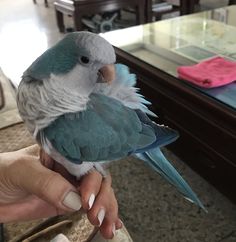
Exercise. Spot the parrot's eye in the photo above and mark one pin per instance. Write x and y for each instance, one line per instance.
(84, 60)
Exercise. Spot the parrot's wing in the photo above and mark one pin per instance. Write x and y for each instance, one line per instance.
(164, 134)
(107, 130)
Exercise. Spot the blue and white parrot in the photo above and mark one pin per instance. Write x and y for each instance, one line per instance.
(85, 111)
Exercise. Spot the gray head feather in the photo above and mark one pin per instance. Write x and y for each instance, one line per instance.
(66, 54)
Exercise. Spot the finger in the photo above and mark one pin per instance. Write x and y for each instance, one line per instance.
(108, 229)
(46, 160)
(108, 226)
(62, 170)
(104, 212)
(29, 175)
(102, 203)
(7, 158)
(30, 150)
(119, 224)
(89, 188)
(28, 209)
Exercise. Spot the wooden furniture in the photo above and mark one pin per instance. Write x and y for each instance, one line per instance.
(77, 9)
(206, 119)
(1, 233)
(231, 2)
(186, 7)
(45, 2)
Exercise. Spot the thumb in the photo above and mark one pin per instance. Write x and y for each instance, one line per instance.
(31, 176)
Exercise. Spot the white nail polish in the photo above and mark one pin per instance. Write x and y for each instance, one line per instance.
(72, 200)
(91, 200)
(101, 215)
(60, 238)
(114, 229)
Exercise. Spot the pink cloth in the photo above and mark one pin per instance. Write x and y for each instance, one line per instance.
(214, 72)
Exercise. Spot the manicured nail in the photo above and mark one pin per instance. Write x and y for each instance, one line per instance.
(101, 215)
(91, 200)
(114, 229)
(60, 238)
(72, 200)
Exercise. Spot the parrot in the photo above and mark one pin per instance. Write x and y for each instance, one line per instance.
(85, 111)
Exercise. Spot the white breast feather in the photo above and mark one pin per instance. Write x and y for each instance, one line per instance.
(40, 103)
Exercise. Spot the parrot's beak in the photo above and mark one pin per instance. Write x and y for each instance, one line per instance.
(107, 74)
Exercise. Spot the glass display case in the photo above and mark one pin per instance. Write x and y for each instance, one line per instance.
(182, 41)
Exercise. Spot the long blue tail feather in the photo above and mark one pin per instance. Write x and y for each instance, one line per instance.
(160, 164)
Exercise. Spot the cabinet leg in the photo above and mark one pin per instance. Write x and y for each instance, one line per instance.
(60, 21)
(78, 21)
(140, 17)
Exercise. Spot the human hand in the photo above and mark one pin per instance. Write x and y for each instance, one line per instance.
(30, 190)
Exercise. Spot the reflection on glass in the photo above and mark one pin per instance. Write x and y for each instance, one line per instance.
(184, 40)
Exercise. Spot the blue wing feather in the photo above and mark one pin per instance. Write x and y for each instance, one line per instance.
(124, 76)
(106, 130)
(164, 135)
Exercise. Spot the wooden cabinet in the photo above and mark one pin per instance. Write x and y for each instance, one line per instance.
(77, 9)
(207, 127)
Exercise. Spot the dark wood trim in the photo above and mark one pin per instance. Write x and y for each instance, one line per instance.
(186, 7)
(1, 233)
(79, 8)
(231, 2)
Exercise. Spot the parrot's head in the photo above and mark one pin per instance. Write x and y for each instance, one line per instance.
(96, 54)
(93, 59)
(63, 77)
(78, 62)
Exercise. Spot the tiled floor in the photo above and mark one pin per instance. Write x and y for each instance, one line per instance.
(150, 208)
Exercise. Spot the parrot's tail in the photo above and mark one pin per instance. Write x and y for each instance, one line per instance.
(160, 164)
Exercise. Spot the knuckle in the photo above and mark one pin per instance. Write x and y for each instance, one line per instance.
(92, 216)
(17, 169)
(112, 213)
(46, 182)
(107, 180)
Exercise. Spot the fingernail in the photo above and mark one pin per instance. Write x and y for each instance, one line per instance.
(114, 229)
(101, 215)
(72, 200)
(60, 238)
(91, 200)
